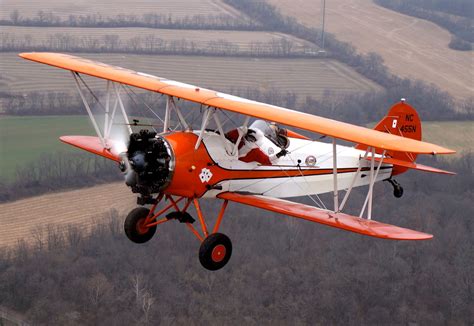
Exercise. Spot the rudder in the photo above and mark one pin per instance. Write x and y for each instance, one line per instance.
(401, 120)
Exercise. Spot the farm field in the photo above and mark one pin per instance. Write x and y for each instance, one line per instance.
(304, 77)
(24, 139)
(48, 36)
(458, 135)
(410, 47)
(61, 209)
(108, 8)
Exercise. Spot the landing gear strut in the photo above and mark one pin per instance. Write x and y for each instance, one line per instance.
(397, 188)
(216, 248)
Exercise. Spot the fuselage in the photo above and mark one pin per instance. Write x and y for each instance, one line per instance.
(307, 169)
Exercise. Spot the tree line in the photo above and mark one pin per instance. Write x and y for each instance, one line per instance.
(150, 20)
(360, 108)
(456, 16)
(282, 271)
(151, 44)
(57, 171)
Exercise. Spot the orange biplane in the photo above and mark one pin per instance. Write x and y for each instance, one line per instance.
(256, 163)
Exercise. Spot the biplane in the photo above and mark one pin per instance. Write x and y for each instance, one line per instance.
(261, 162)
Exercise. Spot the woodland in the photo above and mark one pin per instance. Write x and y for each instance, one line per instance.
(283, 270)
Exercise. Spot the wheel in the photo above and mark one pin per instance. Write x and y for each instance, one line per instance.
(215, 251)
(398, 191)
(134, 226)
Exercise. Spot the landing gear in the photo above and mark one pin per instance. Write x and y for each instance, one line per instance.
(135, 226)
(215, 251)
(397, 188)
(216, 248)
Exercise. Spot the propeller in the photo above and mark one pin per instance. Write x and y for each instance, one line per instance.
(135, 123)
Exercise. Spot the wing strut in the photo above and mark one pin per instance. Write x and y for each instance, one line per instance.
(89, 112)
(235, 151)
(122, 107)
(373, 173)
(166, 123)
(334, 173)
(112, 88)
(373, 178)
(348, 192)
(205, 120)
(221, 133)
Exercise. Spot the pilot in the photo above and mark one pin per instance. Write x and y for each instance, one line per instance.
(250, 146)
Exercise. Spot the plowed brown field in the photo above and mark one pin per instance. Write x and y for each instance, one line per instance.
(19, 219)
(45, 36)
(108, 8)
(304, 77)
(410, 47)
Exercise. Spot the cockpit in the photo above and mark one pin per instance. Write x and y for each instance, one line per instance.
(261, 142)
(273, 132)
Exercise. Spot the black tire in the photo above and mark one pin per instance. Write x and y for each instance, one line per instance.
(398, 192)
(134, 230)
(215, 251)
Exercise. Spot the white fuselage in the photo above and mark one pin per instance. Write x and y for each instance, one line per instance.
(295, 163)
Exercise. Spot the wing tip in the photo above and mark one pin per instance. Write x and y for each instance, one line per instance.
(444, 151)
(28, 55)
(418, 236)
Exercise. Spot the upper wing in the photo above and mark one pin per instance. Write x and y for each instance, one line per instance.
(337, 220)
(236, 104)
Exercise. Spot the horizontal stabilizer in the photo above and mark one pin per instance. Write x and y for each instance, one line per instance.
(412, 165)
(94, 145)
(338, 220)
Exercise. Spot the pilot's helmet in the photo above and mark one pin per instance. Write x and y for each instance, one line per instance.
(250, 136)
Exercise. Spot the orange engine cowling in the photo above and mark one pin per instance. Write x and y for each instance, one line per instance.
(168, 164)
(189, 165)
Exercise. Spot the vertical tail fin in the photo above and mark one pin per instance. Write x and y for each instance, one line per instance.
(401, 120)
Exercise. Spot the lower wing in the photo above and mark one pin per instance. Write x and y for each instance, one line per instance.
(91, 144)
(338, 220)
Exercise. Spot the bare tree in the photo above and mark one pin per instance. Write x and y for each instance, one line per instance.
(147, 302)
(111, 42)
(97, 287)
(15, 17)
(138, 286)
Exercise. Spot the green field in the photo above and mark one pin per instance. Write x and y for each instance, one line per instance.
(457, 135)
(24, 139)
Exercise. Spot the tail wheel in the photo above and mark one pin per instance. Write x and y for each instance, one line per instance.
(135, 228)
(397, 188)
(215, 251)
(398, 191)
